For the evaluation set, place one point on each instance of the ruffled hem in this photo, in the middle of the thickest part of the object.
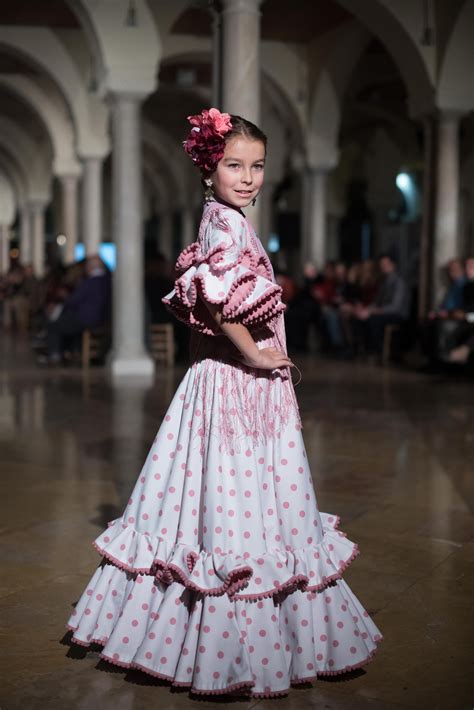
(244, 685)
(273, 573)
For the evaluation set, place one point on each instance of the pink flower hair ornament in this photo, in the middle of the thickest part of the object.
(205, 143)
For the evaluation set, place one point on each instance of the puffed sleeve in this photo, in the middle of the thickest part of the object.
(222, 268)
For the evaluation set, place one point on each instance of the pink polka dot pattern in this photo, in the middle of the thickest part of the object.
(221, 572)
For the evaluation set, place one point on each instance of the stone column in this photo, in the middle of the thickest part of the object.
(314, 216)
(92, 204)
(166, 234)
(69, 214)
(424, 278)
(4, 248)
(216, 57)
(241, 58)
(446, 238)
(240, 33)
(25, 236)
(129, 357)
(38, 239)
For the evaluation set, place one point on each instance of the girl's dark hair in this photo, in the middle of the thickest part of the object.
(247, 129)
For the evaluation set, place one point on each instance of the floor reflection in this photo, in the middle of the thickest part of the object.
(390, 451)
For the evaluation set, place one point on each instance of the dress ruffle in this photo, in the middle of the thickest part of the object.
(223, 268)
(239, 576)
(175, 634)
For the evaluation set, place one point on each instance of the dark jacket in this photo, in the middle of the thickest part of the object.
(91, 300)
(392, 296)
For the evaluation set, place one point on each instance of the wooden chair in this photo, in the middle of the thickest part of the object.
(94, 345)
(162, 343)
(388, 333)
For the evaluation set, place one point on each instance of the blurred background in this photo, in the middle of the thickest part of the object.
(368, 107)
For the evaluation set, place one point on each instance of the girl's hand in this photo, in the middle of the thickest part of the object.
(268, 359)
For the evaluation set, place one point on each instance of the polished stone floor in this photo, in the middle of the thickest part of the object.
(391, 452)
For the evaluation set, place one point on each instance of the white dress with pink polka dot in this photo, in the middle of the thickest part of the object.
(222, 574)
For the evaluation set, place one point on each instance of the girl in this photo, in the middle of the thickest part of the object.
(222, 575)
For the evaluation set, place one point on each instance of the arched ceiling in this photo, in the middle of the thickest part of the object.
(295, 21)
(54, 13)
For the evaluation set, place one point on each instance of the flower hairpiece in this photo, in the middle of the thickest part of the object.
(205, 143)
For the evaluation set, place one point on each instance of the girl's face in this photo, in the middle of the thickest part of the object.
(239, 174)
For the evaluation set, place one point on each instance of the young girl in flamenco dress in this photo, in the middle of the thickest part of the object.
(222, 575)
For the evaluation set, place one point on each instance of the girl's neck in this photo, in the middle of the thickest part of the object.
(216, 198)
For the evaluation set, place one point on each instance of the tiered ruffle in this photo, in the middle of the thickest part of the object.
(309, 569)
(222, 268)
(264, 623)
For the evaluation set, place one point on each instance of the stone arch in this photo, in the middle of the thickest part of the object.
(396, 32)
(58, 125)
(15, 175)
(7, 201)
(169, 155)
(42, 47)
(328, 92)
(36, 167)
(456, 86)
(107, 34)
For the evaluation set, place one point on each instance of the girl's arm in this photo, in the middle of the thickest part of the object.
(267, 358)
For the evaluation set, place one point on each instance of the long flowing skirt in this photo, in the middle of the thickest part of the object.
(222, 573)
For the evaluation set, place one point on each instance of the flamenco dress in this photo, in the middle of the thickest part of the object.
(222, 574)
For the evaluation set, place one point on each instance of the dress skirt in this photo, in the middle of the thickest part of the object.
(222, 573)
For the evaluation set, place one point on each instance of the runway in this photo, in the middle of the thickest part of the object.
(391, 452)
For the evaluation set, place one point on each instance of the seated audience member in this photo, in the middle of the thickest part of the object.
(390, 306)
(369, 282)
(332, 298)
(463, 338)
(352, 296)
(453, 298)
(437, 331)
(303, 311)
(88, 306)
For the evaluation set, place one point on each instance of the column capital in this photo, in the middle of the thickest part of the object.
(251, 7)
(69, 179)
(116, 98)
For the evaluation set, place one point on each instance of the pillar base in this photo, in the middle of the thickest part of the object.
(140, 366)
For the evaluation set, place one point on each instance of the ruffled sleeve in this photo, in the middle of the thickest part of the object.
(223, 268)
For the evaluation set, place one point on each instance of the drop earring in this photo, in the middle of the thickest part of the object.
(209, 192)
(254, 201)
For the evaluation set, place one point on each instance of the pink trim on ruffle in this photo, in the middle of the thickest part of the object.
(155, 674)
(240, 251)
(337, 575)
(236, 579)
(355, 666)
(243, 684)
(115, 662)
(271, 694)
(223, 691)
(298, 581)
(86, 644)
(239, 577)
(119, 563)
